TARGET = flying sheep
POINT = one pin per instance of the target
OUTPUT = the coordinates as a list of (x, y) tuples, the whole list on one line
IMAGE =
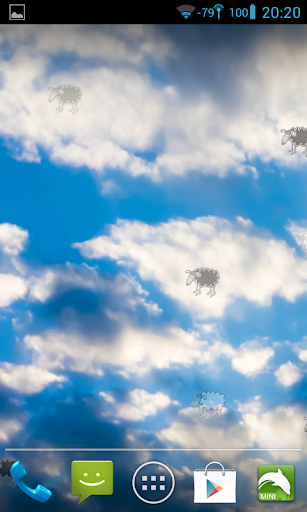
[(5, 472), (66, 94), (203, 277), (210, 400), (263, 381), (297, 136), (301, 241)]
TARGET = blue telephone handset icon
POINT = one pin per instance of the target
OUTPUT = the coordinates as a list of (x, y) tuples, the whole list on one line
[(40, 493)]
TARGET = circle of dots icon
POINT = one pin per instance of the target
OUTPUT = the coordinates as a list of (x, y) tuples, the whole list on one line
[(156, 488)]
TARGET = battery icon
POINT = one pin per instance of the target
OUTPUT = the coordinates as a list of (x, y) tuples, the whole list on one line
[(252, 12)]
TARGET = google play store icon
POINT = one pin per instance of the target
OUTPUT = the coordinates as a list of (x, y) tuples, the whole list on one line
[(214, 485), (212, 488)]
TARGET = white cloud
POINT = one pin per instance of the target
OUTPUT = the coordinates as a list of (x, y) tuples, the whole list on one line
[(261, 428), (121, 112), (23, 320), (133, 351), (119, 43), (49, 463), (27, 380), (303, 355), (50, 469), (61, 278), (9, 428), (288, 374), (123, 106), (297, 228), (139, 404), (130, 112), (107, 397), (191, 431), (12, 288), (256, 429), (127, 111), (187, 471), (251, 357), (251, 265), (16, 278), (43, 286), (12, 239), (110, 188), (190, 144), (301, 349)]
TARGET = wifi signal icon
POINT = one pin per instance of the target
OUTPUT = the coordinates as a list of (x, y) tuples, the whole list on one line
[(218, 8), (186, 10)]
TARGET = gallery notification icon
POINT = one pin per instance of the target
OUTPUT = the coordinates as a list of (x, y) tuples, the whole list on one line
[(17, 12)]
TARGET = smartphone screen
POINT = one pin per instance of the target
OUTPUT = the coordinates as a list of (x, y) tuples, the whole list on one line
[(153, 257)]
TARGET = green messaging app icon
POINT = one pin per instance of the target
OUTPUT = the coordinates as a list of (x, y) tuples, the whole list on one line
[(91, 478), (276, 482)]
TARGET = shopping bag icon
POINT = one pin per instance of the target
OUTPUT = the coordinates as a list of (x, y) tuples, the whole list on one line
[(215, 485)]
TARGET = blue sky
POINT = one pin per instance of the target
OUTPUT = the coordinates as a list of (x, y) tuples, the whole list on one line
[(174, 161)]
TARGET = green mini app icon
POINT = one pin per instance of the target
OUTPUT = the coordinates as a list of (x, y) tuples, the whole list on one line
[(91, 478), (276, 482)]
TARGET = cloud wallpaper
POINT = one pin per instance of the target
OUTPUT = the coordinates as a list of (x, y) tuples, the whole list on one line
[(173, 162)]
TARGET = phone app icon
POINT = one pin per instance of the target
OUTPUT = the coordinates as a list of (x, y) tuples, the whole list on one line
[(40, 493), (276, 482), (91, 478)]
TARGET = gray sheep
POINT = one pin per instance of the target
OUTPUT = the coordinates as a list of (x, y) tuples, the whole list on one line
[(66, 94), (203, 277), (297, 136), (210, 400)]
